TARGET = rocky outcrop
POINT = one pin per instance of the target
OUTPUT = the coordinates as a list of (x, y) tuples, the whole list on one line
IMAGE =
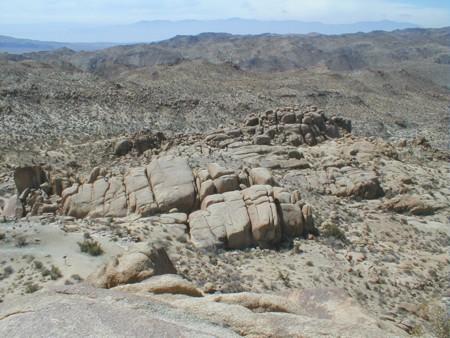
[(172, 183), (287, 126), (29, 178), (167, 283), (237, 209), (13, 208), (133, 267), (165, 184), (412, 204), (140, 142), (239, 219), (84, 311)]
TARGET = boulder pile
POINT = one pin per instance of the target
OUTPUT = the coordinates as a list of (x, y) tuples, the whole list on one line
[(226, 209), (287, 126)]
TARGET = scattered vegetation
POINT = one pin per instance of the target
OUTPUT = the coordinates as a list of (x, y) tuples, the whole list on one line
[(90, 246), (285, 278), (54, 272), (31, 287), (21, 241), (8, 271), (332, 230)]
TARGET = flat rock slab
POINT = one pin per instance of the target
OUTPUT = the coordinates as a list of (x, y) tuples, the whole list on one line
[(82, 311)]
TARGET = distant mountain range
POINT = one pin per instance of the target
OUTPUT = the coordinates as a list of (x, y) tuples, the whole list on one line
[(151, 31), (19, 46)]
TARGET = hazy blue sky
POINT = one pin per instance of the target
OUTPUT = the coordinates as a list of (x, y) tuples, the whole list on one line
[(431, 13)]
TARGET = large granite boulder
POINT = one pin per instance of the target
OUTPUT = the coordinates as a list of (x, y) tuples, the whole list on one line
[(173, 184), (222, 222), (13, 208), (140, 196), (84, 311), (262, 211), (133, 267), (29, 177)]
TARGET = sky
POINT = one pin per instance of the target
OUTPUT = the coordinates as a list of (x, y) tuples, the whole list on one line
[(426, 13)]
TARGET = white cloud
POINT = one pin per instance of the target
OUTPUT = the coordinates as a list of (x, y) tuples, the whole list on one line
[(328, 11)]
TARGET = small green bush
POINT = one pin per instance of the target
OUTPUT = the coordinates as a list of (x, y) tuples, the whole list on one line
[(31, 287), (91, 247), (332, 230)]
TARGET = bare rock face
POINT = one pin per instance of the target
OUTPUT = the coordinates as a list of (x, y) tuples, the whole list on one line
[(122, 147), (173, 184), (133, 267), (359, 184), (266, 225), (140, 196), (83, 311), (13, 208), (223, 221), (168, 283), (29, 177), (412, 204)]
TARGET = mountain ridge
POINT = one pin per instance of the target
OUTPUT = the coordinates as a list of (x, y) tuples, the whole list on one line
[(156, 30)]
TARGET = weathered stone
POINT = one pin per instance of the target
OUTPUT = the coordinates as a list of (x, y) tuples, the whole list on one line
[(263, 215), (168, 283), (291, 220), (412, 204), (173, 184), (140, 196), (206, 188), (261, 176), (122, 147), (308, 219), (223, 222), (288, 118), (215, 170), (93, 175), (211, 199), (132, 267), (226, 183), (29, 177), (115, 200), (252, 121), (79, 205), (261, 140), (200, 231), (13, 208)]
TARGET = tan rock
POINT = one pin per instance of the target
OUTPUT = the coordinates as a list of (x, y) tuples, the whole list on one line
[(173, 184), (132, 267), (140, 196), (168, 283), (215, 170), (261, 176), (226, 183), (266, 227)]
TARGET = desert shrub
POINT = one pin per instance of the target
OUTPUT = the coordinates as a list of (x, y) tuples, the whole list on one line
[(54, 272), (8, 271), (332, 230), (21, 241), (91, 247), (31, 287)]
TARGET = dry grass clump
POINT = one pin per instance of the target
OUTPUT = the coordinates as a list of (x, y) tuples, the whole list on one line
[(91, 247)]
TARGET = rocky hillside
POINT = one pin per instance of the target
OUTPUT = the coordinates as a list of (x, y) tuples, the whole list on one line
[(391, 85), (206, 194), (285, 219)]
